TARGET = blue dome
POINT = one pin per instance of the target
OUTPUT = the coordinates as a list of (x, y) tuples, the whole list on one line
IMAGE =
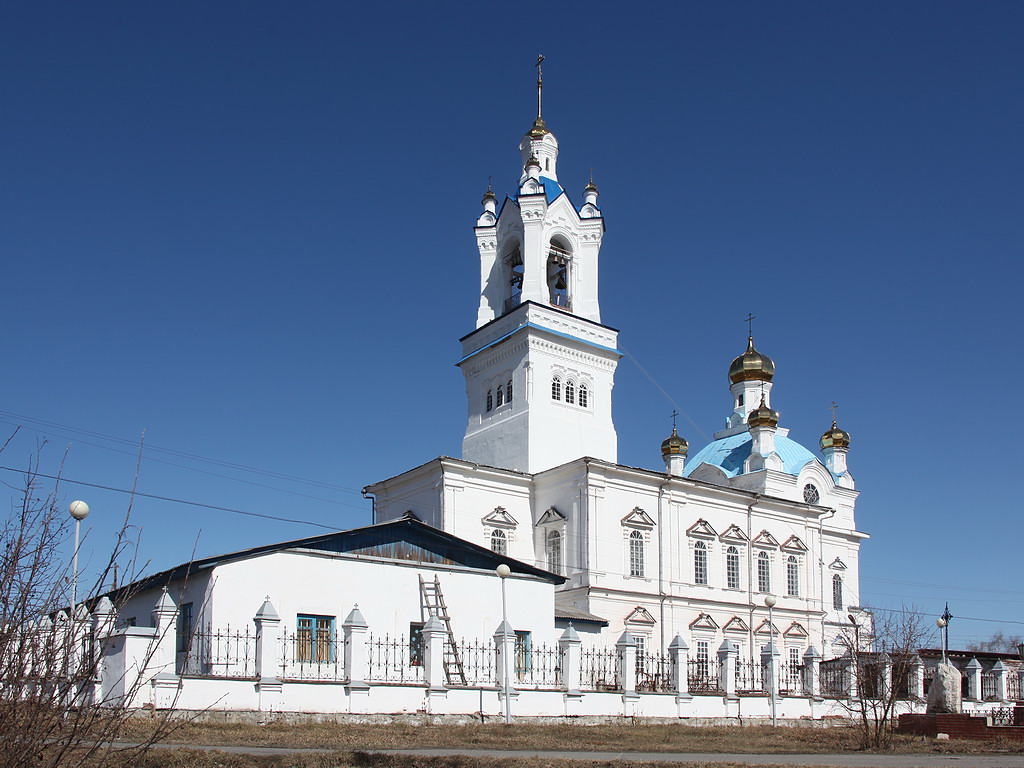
[(729, 454)]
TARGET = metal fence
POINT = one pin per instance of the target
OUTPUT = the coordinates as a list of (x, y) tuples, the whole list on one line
[(655, 672), (791, 679), (834, 675), (750, 677), (391, 659), (479, 661), (223, 652), (539, 666), (305, 657), (599, 670), (1013, 685), (702, 676), (988, 687)]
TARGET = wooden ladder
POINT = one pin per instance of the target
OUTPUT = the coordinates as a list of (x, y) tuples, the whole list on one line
[(433, 605)]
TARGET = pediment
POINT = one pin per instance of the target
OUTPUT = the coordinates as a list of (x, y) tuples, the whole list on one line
[(703, 622), (735, 624), (499, 518), (765, 539), (837, 565), (701, 528), (640, 615), (551, 516), (734, 533), (762, 629), (793, 544), (796, 629), (638, 519)]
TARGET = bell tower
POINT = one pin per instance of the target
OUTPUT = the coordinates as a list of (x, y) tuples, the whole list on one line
[(540, 366)]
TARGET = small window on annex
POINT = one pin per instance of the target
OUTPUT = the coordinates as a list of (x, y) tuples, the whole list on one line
[(764, 572), (490, 401), (792, 576), (700, 563), (314, 638), (732, 568), (499, 542), (636, 554), (500, 398), (837, 592), (184, 627), (556, 388), (416, 644), (508, 391)]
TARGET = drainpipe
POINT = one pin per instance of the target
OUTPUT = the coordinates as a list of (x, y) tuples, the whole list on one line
[(661, 567), (373, 505), (825, 583)]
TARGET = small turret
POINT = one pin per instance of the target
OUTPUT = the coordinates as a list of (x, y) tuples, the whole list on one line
[(673, 452), (763, 423), (489, 201), (835, 444)]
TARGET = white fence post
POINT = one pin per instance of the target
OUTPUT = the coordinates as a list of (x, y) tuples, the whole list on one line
[(770, 669), (728, 657), (268, 665), (625, 648), (434, 634), (102, 625), (916, 683), (999, 671), (850, 665), (569, 650), (355, 630), (974, 679), (885, 675), (679, 652), (166, 681), (505, 658), (812, 673)]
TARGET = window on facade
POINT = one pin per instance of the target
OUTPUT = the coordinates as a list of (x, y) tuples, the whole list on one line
[(792, 576), (739, 400), (794, 669), (499, 397), (703, 655), (556, 388), (416, 644), (641, 653), (570, 392), (584, 396), (636, 554), (314, 638), (508, 391), (524, 644), (184, 626), (732, 568), (764, 573), (499, 542), (490, 401), (837, 592), (554, 551), (700, 563)]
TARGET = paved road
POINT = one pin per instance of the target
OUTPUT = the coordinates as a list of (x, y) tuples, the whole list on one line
[(855, 760)]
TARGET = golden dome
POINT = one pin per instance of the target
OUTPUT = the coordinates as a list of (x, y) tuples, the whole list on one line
[(763, 416), (538, 130), (751, 366), (674, 445), (533, 161), (835, 438)]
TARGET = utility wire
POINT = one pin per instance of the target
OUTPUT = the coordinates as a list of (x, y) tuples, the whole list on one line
[(62, 479), (661, 389)]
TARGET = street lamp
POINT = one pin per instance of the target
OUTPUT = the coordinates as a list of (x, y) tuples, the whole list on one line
[(79, 510), (770, 601), (943, 624), (503, 572)]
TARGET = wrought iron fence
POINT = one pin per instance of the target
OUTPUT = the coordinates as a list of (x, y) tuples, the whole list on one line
[(1013, 685), (539, 666), (989, 691), (791, 679), (223, 652), (393, 660), (702, 676), (655, 672), (599, 670), (834, 676), (750, 677), (307, 657), (479, 661)]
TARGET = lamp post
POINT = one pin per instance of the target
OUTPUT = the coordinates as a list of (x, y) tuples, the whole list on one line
[(769, 600), (943, 624), (503, 572), (79, 510)]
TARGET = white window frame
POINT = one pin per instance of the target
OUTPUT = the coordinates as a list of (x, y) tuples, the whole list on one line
[(732, 557)]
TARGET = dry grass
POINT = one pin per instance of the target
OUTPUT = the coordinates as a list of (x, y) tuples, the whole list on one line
[(612, 737)]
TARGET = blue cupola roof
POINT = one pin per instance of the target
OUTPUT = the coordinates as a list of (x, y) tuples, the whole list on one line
[(729, 453)]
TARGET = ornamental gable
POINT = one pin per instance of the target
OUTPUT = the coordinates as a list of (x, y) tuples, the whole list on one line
[(551, 516), (765, 539), (736, 624), (703, 621), (638, 519), (640, 615), (734, 533), (793, 544), (499, 518), (701, 528)]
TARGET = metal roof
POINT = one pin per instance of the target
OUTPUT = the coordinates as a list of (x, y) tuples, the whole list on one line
[(729, 454)]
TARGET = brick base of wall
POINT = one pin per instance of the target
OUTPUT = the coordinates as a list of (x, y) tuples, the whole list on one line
[(958, 727)]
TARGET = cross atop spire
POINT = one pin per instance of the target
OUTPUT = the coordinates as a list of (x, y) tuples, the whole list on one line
[(750, 324), (834, 407), (540, 84), (674, 414)]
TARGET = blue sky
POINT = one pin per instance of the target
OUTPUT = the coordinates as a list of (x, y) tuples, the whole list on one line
[(245, 228)]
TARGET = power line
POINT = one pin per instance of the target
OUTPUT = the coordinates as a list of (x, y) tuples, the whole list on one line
[(62, 479), (944, 586)]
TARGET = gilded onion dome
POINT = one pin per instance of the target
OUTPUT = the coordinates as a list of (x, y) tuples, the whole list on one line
[(763, 416), (835, 437), (539, 129), (488, 196), (533, 161), (751, 366), (674, 445)]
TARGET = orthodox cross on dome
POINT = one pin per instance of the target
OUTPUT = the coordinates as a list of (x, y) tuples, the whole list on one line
[(750, 324), (674, 414), (540, 82), (834, 408)]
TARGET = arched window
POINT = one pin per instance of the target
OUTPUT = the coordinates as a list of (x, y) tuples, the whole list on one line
[(739, 400), (554, 551), (583, 396), (732, 568), (490, 401), (556, 388), (764, 573), (570, 392), (837, 592), (636, 554), (500, 397), (792, 576), (700, 563), (508, 391), (499, 542)]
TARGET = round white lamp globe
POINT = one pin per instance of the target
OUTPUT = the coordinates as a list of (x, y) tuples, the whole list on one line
[(503, 571), (78, 510), (770, 601)]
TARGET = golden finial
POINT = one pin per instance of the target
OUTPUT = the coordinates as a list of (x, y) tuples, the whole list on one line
[(539, 129), (591, 187)]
